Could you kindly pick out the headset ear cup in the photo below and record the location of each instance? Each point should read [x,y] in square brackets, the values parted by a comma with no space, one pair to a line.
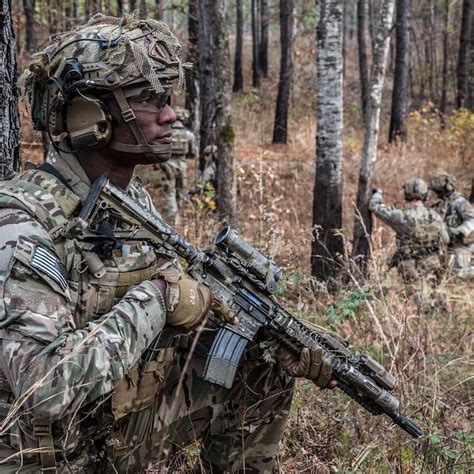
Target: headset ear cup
[88,125]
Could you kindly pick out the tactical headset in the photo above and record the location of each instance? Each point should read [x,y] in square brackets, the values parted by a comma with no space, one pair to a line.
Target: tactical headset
[71,107]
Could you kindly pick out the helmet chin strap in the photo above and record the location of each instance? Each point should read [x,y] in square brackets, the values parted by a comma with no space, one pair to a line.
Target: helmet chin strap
[161,151]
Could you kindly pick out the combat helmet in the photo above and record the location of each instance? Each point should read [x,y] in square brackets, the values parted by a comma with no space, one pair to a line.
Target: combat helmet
[69,83]
[415,189]
[443,183]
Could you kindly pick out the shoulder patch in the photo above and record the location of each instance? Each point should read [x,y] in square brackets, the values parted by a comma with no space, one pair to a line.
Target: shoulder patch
[48,263]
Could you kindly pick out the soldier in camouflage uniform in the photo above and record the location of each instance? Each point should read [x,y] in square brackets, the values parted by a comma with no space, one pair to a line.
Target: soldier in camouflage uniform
[93,377]
[173,173]
[420,233]
[458,214]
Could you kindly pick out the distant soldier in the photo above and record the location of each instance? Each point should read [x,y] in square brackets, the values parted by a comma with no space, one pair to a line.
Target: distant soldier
[458,214]
[204,191]
[420,233]
[173,179]
[209,172]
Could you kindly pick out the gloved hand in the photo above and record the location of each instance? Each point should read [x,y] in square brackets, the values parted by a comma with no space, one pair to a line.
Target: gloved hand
[188,302]
[311,364]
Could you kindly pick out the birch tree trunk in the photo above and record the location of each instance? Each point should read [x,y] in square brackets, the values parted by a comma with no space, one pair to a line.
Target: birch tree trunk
[287,21]
[463,58]
[327,205]
[362,16]
[9,118]
[363,219]
[398,118]
[238,78]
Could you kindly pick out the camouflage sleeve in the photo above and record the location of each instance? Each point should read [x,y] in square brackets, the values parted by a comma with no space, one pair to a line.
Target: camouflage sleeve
[466,211]
[388,215]
[52,366]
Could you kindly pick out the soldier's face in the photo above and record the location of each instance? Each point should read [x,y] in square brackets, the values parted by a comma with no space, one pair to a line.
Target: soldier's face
[154,116]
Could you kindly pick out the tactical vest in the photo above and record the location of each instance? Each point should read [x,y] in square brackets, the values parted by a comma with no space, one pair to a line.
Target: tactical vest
[180,141]
[51,203]
[423,237]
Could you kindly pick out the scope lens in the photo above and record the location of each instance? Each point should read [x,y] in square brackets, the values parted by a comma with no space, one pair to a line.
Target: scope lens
[221,237]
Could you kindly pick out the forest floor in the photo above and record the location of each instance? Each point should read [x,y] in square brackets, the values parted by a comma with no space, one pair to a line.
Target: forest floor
[428,348]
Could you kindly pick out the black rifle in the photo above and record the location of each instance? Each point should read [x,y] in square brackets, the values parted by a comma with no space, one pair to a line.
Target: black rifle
[245,280]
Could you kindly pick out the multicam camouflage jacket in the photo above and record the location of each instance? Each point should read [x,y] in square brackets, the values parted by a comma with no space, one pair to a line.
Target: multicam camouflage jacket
[458,213]
[184,143]
[416,227]
[66,338]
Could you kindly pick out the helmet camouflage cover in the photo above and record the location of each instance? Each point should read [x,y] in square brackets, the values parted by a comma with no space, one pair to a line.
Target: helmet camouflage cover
[415,189]
[442,182]
[122,56]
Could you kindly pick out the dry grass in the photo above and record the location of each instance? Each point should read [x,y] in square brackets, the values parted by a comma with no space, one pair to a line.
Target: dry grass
[428,349]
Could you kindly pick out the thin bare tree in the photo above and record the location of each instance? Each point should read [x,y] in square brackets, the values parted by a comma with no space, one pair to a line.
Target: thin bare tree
[287,22]
[363,218]
[464,54]
[398,117]
[238,77]
[362,26]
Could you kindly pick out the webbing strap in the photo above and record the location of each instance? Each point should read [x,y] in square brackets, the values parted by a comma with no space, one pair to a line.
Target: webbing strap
[44,435]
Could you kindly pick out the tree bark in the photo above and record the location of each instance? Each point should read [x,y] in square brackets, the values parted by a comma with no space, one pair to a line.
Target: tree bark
[362,12]
[222,120]
[9,117]
[327,205]
[463,57]
[143,9]
[132,5]
[119,7]
[255,38]
[398,118]
[29,9]
[363,219]
[192,75]
[238,77]
[207,86]
[287,21]
[444,88]
[263,46]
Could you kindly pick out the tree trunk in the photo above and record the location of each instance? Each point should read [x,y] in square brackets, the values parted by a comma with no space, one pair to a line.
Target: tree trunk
[255,37]
[9,118]
[216,96]
[327,204]
[362,12]
[363,219]
[192,75]
[238,78]
[287,21]
[463,58]
[132,5]
[119,7]
[444,89]
[471,197]
[429,38]
[263,46]
[398,118]
[143,9]
[29,9]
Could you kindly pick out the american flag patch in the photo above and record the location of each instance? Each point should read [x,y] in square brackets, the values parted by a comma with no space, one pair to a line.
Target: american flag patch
[48,263]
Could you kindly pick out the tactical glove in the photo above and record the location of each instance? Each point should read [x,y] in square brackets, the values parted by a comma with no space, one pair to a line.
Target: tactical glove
[312,365]
[187,302]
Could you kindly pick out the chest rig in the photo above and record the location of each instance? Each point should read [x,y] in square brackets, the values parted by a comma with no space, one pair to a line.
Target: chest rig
[99,271]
